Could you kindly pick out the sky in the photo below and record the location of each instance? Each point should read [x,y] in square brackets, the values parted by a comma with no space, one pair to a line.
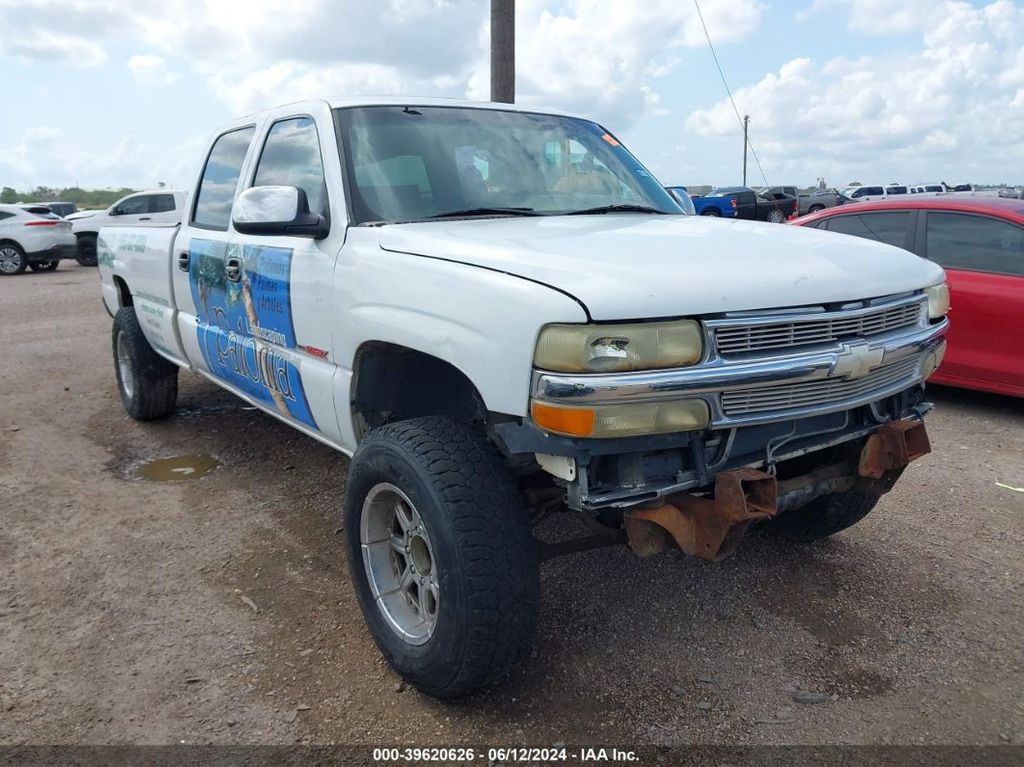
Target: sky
[101,93]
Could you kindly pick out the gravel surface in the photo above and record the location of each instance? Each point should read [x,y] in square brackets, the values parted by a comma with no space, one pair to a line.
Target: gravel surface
[218,610]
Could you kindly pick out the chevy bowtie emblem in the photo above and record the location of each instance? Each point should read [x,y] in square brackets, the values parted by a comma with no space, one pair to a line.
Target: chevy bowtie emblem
[857,361]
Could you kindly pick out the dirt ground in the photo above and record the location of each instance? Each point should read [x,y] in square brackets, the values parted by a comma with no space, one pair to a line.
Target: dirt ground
[127,606]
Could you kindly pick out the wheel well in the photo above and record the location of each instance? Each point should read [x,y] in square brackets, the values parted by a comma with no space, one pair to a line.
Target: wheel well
[9,241]
[124,295]
[394,383]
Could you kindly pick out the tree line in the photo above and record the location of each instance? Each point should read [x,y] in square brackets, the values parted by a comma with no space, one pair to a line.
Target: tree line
[83,198]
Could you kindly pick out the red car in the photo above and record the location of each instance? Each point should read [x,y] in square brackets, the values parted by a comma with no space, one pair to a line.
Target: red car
[979,241]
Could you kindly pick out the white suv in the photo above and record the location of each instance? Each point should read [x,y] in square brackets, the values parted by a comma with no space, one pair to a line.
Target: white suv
[33,237]
[867,193]
[139,209]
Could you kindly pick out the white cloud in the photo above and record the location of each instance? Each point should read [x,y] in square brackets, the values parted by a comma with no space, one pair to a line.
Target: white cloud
[150,71]
[47,45]
[45,155]
[915,113]
[599,57]
[880,17]
[585,55]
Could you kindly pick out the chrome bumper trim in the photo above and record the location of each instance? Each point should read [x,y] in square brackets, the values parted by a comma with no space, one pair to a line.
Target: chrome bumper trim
[718,375]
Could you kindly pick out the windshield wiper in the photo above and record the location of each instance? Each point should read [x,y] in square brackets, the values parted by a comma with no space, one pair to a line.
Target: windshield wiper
[619,208]
[486,212]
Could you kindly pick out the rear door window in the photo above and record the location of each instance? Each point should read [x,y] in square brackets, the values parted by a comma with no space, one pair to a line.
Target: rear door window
[291,157]
[892,228]
[217,187]
[745,198]
[975,243]
[161,203]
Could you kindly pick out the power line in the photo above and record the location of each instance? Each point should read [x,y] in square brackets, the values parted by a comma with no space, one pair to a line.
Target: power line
[728,90]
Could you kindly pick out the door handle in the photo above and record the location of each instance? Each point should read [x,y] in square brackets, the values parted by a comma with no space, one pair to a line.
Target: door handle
[183,261]
[233,268]
[144,218]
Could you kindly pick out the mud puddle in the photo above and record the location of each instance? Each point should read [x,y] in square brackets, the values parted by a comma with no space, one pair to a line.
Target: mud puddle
[176,468]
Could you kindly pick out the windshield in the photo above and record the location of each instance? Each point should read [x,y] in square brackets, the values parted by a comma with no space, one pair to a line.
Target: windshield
[417,163]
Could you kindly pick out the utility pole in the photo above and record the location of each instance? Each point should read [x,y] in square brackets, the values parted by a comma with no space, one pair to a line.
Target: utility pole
[746,122]
[503,51]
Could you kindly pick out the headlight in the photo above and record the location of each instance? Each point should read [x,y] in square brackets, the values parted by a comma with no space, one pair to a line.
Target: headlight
[938,301]
[619,348]
[626,420]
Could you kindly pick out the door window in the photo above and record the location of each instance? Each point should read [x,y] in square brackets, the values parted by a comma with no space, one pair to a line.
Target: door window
[745,198]
[890,228]
[291,157]
[976,243]
[133,206]
[220,178]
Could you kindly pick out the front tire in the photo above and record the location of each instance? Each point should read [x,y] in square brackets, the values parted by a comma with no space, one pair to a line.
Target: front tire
[441,555]
[12,259]
[815,208]
[147,382]
[86,250]
[824,516]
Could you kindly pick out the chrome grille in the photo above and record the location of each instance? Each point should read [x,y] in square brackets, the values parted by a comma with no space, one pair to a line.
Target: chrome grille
[827,391]
[739,339]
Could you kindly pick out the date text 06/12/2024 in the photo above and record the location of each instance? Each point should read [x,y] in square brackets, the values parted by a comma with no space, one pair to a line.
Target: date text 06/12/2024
[504,754]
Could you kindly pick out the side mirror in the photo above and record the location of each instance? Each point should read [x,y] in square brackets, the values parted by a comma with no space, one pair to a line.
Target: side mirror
[114,212]
[277,210]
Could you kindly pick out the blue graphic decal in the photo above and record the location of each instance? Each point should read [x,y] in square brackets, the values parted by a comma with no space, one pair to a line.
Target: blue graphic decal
[245,327]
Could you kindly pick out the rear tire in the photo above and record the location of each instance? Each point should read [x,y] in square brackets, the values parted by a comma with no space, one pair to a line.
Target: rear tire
[44,266]
[86,250]
[776,216]
[12,259]
[824,516]
[471,617]
[147,382]
[713,212]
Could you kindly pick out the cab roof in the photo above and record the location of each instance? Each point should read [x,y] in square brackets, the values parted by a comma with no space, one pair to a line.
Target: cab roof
[341,102]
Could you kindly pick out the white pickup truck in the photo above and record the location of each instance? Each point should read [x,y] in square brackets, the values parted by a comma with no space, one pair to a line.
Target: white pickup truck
[156,208]
[498,313]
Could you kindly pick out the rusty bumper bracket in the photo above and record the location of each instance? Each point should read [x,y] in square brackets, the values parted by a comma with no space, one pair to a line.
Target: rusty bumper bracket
[702,527]
[892,447]
[711,528]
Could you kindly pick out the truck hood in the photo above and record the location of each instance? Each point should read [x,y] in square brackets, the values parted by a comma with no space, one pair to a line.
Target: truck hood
[630,266]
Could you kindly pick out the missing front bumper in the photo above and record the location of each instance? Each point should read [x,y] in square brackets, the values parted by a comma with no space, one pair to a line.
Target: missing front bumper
[711,527]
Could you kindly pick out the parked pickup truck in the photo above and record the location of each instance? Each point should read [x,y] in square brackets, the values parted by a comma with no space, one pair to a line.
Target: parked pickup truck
[498,313]
[743,202]
[162,206]
[817,200]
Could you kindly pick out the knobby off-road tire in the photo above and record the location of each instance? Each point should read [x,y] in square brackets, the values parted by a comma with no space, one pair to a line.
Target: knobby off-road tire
[86,254]
[148,383]
[482,555]
[824,516]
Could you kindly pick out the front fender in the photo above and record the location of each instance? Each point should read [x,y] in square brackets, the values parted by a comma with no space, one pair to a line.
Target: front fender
[480,321]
